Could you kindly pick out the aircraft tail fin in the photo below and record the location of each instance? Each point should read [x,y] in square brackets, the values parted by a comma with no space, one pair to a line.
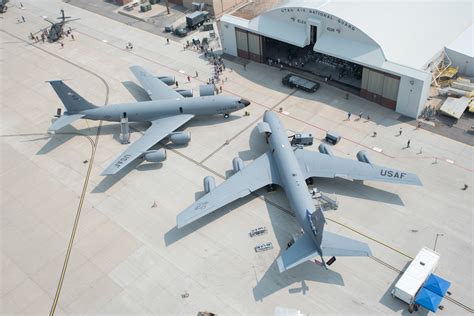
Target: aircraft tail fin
[305,249]
[72,101]
[64,121]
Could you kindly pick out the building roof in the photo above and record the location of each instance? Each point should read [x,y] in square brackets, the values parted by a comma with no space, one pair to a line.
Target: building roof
[409,32]
[464,43]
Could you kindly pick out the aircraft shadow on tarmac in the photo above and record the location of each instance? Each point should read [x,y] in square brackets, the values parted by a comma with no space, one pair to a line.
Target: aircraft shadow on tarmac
[356,189]
[283,226]
[272,281]
[257,146]
[175,234]
[58,139]
[69,132]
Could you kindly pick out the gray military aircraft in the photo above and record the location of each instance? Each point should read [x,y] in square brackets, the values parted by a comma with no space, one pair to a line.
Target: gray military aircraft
[289,167]
[166,112]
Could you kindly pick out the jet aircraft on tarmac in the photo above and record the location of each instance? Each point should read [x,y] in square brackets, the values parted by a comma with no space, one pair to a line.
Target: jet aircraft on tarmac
[290,167]
[166,112]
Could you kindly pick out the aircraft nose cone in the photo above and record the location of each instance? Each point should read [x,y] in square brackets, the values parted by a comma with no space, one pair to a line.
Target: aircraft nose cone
[244,102]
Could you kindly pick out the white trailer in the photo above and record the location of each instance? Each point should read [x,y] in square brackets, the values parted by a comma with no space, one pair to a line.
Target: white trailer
[415,275]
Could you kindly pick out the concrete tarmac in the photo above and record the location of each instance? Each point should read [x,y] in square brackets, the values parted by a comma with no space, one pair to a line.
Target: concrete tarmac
[128,257]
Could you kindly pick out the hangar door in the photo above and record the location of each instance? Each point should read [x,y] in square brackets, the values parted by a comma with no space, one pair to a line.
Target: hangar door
[380,87]
[249,45]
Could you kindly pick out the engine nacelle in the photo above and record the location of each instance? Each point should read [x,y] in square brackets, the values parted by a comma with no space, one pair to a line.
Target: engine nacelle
[237,164]
[187,93]
[156,155]
[324,149]
[209,184]
[180,138]
[362,156]
[206,90]
[169,80]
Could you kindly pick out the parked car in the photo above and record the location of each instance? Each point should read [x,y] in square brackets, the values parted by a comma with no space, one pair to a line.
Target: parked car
[294,81]
[180,31]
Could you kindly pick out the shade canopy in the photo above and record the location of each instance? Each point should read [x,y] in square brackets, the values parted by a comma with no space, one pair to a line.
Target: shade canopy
[428,299]
[437,285]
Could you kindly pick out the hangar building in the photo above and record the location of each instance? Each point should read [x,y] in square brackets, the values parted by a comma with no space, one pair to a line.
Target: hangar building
[384,51]
[461,52]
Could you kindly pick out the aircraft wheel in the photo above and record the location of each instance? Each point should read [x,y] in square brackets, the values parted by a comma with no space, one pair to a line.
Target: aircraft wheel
[226,116]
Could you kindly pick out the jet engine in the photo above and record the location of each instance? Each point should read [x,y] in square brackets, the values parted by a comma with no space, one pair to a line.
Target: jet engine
[209,184]
[362,156]
[237,164]
[180,138]
[324,149]
[187,93]
[206,90]
[156,155]
[169,80]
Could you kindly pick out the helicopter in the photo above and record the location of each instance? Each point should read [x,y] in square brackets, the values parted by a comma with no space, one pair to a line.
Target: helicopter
[55,32]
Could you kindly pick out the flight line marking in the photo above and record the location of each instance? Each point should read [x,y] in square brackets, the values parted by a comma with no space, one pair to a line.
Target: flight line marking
[272,108]
[245,128]
[89,169]
[188,158]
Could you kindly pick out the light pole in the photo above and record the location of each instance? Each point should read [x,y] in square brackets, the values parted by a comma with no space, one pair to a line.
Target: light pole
[436,241]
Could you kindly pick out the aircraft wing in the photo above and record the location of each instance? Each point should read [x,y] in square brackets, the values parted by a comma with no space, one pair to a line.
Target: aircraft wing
[259,173]
[159,129]
[156,89]
[315,164]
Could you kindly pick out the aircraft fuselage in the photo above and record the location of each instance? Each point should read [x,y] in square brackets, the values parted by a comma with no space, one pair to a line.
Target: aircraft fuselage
[291,176]
[150,110]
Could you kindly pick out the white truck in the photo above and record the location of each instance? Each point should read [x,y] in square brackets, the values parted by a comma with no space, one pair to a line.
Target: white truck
[415,276]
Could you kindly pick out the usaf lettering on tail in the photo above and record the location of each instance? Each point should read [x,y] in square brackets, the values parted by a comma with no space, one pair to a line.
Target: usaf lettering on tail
[289,167]
[392,174]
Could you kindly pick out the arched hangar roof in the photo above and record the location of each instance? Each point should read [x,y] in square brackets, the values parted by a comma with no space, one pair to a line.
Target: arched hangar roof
[409,32]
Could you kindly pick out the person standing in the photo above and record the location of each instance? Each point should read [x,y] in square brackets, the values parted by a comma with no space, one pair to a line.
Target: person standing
[23,18]
[408,143]
[349,116]
[189,78]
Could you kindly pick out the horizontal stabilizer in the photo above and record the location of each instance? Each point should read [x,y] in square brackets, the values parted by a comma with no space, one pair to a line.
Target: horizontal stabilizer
[302,250]
[337,245]
[64,121]
[305,249]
